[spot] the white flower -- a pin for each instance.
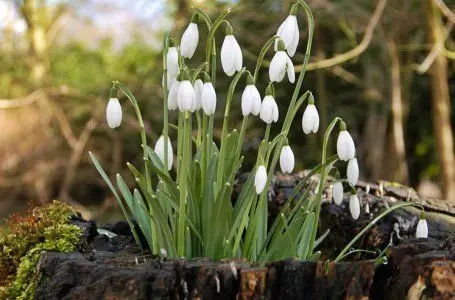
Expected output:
(353, 171)
(172, 101)
(289, 33)
(198, 85)
(159, 149)
(269, 110)
(422, 229)
(208, 98)
(345, 146)
(310, 119)
(186, 98)
(172, 62)
(251, 101)
(189, 41)
(287, 160)
(337, 192)
(170, 81)
(231, 55)
(113, 113)
(279, 65)
(354, 206)
(260, 179)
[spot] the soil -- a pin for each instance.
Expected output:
(115, 268)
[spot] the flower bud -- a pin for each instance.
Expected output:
(159, 149)
(353, 171)
(289, 34)
(280, 64)
(231, 55)
(190, 39)
(260, 179)
(269, 110)
(198, 86)
(310, 119)
(354, 206)
(345, 144)
(251, 101)
(186, 98)
(287, 160)
(113, 113)
(172, 101)
(208, 98)
(337, 192)
(422, 229)
(172, 62)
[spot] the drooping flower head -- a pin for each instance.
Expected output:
(280, 65)
(113, 110)
(289, 32)
(198, 85)
(172, 60)
(208, 97)
(172, 101)
(422, 227)
(231, 54)
(310, 118)
(353, 171)
(345, 144)
(260, 179)
(354, 204)
(190, 38)
(287, 160)
(186, 97)
(269, 108)
(251, 99)
(159, 149)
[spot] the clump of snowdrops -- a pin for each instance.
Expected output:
(183, 204)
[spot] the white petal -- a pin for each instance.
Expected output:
(260, 179)
(256, 100)
(208, 98)
(337, 192)
(238, 61)
(113, 113)
(247, 101)
(159, 149)
(228, 55)
(292, 47)
(172, 102)
(266, 113)
(290, 69)
(309, 118)
(353, 171)
(198, 84)
(345, 146)
(172, 61)
(422, 229)
(190, 39)
(354, 206)
(287, 160)
(315, 120)
(277, 67)
(275, 111)
(186, 97)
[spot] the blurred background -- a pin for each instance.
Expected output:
(386, 67)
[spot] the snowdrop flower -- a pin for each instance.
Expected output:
(289, 32)
(113, 113)
(310, 118)
(345, 144)
(260, 179)
(251, 99)
(231, 54)
(159, 149)
(354, 205)
(269, 109)
(172, 61)
(198, 85)
(186, 97)
(353, 171)
(337, 192)
(422, 227)
(190, 38)
(208, 98)
(172, 102)
(280, 64)
(287, 160)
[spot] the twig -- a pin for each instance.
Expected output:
(445, 10)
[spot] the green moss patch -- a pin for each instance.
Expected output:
(26, 237)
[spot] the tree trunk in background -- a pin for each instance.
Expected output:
(398, 166)
(441, 107)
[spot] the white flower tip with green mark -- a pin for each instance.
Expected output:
(186, 98)
(113, 113)
(310, 119)
(172, 102)
(251, 101)
(190, 39)
(280, 64)
(289, 33)
(422, 229)
(337, 192)
(345, 146)
(269, 110)
(354, 206)
(198, 86)
(353, 171)
(208, 98)
(260, 179)
(159, 149)
(231, 55)
(287, 160)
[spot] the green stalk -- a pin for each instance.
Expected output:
(210, 46)
(241, 136)
(165, 110)
(181, 241)
(180, 138)
(264, 50)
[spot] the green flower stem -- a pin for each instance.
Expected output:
(165, 93)
(183, 172)
(204, 155)
(238, 149)
(375, 220)
(197, 71)
(135, 104)
(210, 46)
(180, 139)
(220, 171)
(322, 179)
(199, 129)
(264, 50)
(204, 15)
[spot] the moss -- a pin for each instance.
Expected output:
(44, 229)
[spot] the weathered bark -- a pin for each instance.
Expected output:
(398, 166)
(441, 108)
